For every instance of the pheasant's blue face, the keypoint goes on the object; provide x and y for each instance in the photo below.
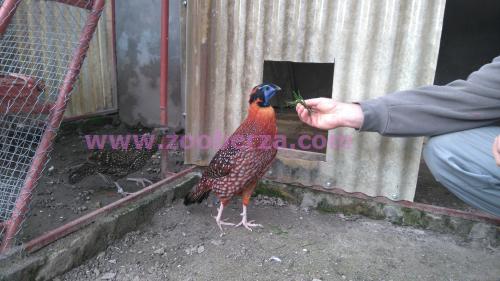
(264, 92)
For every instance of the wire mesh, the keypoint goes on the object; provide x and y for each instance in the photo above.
(35, 53)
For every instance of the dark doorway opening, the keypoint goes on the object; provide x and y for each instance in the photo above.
(470, 38)
(311, 80)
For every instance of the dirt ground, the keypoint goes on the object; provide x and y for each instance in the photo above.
(56, 201)
(431, 192)
(184, 243)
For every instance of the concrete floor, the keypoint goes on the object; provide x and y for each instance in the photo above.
(183, 243)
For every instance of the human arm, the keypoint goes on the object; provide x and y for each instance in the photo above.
(434, 110)
(424, 111)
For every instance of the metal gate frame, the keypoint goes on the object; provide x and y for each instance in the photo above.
(7, 10)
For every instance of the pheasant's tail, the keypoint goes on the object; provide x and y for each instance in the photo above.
(199, 193)
(79, 172)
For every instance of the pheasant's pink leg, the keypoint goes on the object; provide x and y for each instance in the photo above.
(218, 218)
(247, 224)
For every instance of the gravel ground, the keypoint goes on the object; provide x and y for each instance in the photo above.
(184, 243)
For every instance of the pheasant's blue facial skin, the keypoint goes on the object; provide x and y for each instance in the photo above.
(263, 94)
(268, 90)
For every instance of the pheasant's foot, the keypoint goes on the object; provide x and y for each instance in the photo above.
(247, 224)
(120, 190)
(219, 220)
(141, 181)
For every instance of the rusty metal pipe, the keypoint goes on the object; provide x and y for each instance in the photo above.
(74, 225)
(164, 85)
(55, 118)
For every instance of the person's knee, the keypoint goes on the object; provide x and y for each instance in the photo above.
(455, 165)
(462, 163)
(436, 154)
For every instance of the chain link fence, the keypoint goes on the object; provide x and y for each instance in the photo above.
(42, 47)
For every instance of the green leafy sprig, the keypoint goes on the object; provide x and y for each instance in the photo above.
(299, 99)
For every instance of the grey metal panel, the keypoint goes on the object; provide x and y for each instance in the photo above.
(378, 46)
(138, 25)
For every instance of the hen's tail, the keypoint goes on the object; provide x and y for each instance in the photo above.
(199, 193)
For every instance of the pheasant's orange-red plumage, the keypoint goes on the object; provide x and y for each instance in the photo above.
(244, 158)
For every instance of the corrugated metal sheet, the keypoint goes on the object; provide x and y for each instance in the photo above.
(96, 88)
(378, 46)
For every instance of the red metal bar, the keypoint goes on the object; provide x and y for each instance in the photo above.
(164, 63)
(7, 10)
(106, 111)
(55, 118)
(74, 225)
(164, 84)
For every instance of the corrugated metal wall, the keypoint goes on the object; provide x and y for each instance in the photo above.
(378, 46)
(95, 90)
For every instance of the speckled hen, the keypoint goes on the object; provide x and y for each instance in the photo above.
(113, 164)
(244, 158)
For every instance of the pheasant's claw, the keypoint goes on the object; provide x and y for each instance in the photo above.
(248, 225)
(221, 223)
(219, 220)
(141, 181)
(120, 190)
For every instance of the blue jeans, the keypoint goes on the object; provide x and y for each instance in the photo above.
(463, 162)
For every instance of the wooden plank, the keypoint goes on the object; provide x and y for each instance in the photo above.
(95, 90)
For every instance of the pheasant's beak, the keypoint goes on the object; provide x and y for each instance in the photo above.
(276, 89)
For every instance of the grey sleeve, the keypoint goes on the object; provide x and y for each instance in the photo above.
(434, 110)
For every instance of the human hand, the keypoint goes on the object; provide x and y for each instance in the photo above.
(496, 150)
(327, 114)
